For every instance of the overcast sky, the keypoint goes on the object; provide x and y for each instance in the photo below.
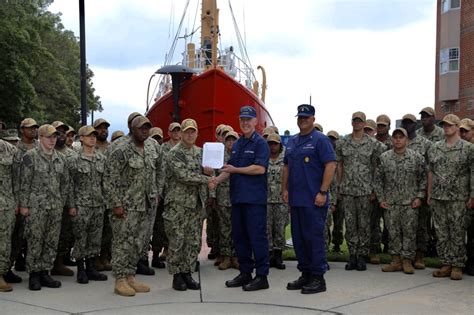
(377, 56)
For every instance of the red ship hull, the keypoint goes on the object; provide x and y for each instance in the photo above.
(211, 98)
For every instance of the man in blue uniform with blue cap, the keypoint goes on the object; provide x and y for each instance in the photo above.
(247, 169)
(310, 163)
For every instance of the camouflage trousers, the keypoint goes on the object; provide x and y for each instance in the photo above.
(127, 244)
(327, 228)
(470, 236)
(338, 225)
(18, 238)
(7, 222)
(424, 227)
(277, 220)
(66, 235)
(183, 226)
(450, 221)
(375, 229)
(42, 235)
(107, 235)
(402, 222)
(212, 228)
(159, 239)
(147, 237)
(357, 210)
(87, 227)
(225, 230)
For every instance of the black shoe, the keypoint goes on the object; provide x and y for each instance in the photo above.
(34, 283)
(197, 266)
(92, 273)
(300, 282)
(336, 248)
(257, 283)
(20, 263)
(316, 285)
(10, 277)
(68, 261)
(241, 280)
(361, 264)
(157, 263)
(144, 269)
(47, 281)
(178, 282)
(278, 259)
(81, 276)
(352, 263)
(191, 284)
(213, 253)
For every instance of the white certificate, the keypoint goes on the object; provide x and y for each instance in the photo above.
(213, 154)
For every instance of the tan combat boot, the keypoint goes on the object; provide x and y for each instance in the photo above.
(225, 264)
(408, 267)
(395, 265)
(234, 262)
(139, 287)
(59, 269)
(123, 288)
(419, 263)
(456, 273)
(218, 260)
(445, 271)
(374, 258)
(4, 287)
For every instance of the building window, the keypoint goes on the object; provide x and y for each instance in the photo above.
(457, 106)
(447, 5)
(470, 105)
(449, 60)
(446, 107)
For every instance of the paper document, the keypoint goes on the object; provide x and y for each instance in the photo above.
(213, 154)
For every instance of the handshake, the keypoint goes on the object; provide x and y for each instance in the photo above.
(212, 184)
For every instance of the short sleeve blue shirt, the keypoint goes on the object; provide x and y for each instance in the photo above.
(251, 189)
(306, 157)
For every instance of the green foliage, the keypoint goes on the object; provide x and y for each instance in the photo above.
(39, 66)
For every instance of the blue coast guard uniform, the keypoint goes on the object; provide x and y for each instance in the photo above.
(248, 194)
(306, 157)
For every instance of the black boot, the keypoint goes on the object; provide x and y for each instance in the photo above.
(352, 263)
(300, 282)
(34, 283)
(81, 272)
(68, 261)
(271, 259)
(278, 258)
(242, 279)
(20, 263)
(47, 281)
(92, 273)
(144, 269)
(257, 283)
(213, 253)
(316, 285)
(361, 264)
(469, 269)
(156, 262)
(191, 284)
(178, 282)
(10, 277)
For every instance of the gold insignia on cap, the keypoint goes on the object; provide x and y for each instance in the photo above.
(306, 159)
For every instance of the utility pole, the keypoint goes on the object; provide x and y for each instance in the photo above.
(82, 31)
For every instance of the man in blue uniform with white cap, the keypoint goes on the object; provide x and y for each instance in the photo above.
(310, 163)
(247, 168)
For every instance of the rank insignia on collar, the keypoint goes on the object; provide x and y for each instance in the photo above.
(306, 159)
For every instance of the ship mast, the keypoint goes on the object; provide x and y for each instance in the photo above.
(209, 32)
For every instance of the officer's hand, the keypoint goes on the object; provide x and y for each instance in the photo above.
(228, 169)
(384, 205)
(119, 212)
(416, 203)
(208, 171)
(284, 196)
(72, 212)
(212, 184)
(320, 200)
(24, 212)
(211, 203)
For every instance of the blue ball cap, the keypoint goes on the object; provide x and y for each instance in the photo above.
(305, 110)
(247, 112)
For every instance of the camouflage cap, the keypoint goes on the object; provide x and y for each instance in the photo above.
(71, 130)
(359, 115)
(409, 117)
(87, 130)
(383, 120)
(56, 124)
(274, 137)
(140, 121)
(371, 124)
(47, 131)
(231, 134)
(117, 134)
(428, 110)
(318, 127)
(29, 122)
(334, 134)
(226, 129)
(267, 131)
(174, 125)
(466, 124)
(275, 128)
(218, 129)
(99, 122)
(188, 123)
(10, 135)
(132, 116)
(451, 119)
(400, 130)
(156, 131)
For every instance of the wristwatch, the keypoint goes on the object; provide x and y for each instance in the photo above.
(322, 192)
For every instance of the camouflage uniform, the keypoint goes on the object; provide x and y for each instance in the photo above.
(44, 190)
(452, 174)
(86, 175)
(277, 210)
(130, 182)
(184, 207)
(334, 219)
(224, 210)
(400, 180)
(436, 135)
(358, 160)
(7, 204)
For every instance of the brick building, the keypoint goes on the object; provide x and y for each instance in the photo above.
(454, 87)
